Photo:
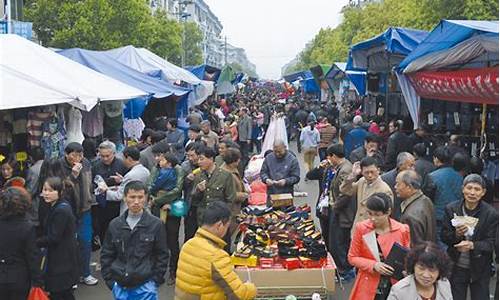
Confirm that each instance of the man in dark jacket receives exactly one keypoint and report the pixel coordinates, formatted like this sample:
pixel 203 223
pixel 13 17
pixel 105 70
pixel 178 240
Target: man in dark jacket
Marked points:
pixel 398 142
pixel 371 147
pixel 134 255
pixel 244 134
pixel 280 170
pixel 188 167
pixel 108 166
pixel 470 246
pixel 417 211
pixel 405 161
pixel 422 165
pixel 342 210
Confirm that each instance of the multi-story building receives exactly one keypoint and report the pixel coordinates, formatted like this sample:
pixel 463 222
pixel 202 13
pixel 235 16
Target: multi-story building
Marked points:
pixel 199 12
pixel 213 45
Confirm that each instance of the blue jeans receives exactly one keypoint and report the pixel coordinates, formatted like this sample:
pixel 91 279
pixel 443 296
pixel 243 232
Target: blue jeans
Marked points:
pixel 85 242
pixel 146 291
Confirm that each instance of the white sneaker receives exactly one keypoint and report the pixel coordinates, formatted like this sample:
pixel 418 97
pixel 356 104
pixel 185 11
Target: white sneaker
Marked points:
pixel 89 280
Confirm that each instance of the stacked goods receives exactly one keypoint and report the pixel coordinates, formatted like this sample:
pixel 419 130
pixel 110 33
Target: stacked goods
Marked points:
pixel 283 237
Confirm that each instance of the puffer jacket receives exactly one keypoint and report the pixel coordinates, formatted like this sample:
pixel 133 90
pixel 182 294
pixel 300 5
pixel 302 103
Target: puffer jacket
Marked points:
pixel 205 272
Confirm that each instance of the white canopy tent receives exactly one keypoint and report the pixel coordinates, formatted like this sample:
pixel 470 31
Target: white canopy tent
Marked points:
pixel 149 63
pixel 32 75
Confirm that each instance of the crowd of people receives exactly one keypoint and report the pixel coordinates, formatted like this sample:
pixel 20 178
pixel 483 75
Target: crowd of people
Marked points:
pixel 377 187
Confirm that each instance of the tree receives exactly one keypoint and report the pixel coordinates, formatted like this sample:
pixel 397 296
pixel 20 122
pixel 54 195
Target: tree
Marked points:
pixel 192 44
pixel 361 23
pixel 104 24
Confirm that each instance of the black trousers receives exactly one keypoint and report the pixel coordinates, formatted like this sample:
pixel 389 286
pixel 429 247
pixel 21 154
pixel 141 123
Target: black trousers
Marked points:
pixel 62 295
pixel 172 227
pixel 7 292
pixel 190 223
pixel 339 240
pixel 460 280
pixel 245 150
pixel 325 227
pixel 105 215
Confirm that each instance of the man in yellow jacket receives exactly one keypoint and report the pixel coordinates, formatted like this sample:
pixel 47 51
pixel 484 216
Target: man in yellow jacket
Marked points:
pixel 205 271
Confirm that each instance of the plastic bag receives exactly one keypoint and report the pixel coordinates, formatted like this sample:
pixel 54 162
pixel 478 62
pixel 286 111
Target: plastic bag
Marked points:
pixel 258 195
pixel 179 208
pixel 37 293
pixel 147 291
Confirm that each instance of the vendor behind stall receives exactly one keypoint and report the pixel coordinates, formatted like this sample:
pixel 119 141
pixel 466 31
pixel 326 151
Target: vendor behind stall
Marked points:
pixel 280 170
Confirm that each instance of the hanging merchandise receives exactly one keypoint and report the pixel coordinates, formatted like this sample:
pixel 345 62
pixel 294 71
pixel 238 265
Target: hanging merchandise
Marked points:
pixel 133 128
pixel 53 137
pixel 5 130
pixel 19 129
pixel 113 121
pixel 74 126
pixel 93 122
pixel 34 127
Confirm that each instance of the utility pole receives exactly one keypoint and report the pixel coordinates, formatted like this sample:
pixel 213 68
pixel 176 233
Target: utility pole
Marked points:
pixel 225 50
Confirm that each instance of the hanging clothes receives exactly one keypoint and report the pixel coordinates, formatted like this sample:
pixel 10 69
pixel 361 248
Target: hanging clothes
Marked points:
pixel 5 128
pixel 113 121
pixel 53 138
pixel 93 122
pixel 74 126
pixel 35 127
pixel 133 128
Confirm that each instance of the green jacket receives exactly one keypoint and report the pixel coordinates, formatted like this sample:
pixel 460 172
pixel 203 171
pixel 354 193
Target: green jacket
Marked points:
pixel 166 197
pixel 219 186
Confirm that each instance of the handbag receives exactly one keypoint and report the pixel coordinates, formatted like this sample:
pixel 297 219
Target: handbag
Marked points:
pixel 37 293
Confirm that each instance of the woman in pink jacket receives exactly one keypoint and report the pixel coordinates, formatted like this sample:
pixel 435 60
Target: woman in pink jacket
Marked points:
pixel 372 241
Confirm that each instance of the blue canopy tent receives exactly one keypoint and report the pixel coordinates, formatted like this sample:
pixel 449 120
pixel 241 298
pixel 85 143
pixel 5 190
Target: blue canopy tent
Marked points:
pixel 205 72
pixel 382 52
pixel 310 86
pixel 338 70
pixel 451 45
pixel 298 76
pixel 103 63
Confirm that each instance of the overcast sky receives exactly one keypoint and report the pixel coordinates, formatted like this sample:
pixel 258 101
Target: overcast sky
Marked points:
pixel 273 31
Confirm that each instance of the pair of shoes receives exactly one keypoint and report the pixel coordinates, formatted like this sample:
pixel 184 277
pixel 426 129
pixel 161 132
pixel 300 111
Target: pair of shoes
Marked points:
pixel 171 280
pixel 89 280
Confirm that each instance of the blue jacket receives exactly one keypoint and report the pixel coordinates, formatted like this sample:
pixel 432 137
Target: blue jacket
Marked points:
pixel 447 185
pixel 166 181
pixel 354 139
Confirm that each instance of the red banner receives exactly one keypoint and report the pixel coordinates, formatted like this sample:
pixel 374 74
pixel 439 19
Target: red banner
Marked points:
pixel 468 85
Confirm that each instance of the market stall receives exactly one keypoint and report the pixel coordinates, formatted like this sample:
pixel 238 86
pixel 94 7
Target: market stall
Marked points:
pixel 281 251
pixel 450 82
pixel 378 56
pixel 48 100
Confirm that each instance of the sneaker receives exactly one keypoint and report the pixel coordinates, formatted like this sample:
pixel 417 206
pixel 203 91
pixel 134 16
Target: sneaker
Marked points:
pixel 74 287
pixel 89 280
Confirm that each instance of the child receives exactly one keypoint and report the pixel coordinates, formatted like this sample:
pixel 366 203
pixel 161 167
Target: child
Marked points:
pixel 167 177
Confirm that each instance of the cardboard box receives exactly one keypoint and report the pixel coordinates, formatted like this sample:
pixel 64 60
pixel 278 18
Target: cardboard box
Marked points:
pixel 279 281
pixel 279 200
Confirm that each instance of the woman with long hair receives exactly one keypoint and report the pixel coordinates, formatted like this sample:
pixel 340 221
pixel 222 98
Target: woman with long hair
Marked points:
pixel 371 243
pixel 59 238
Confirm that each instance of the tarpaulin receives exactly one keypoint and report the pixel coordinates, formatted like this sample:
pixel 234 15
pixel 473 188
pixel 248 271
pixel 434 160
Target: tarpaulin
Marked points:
pixel 467 85
pixel 446 35
pixel 372 54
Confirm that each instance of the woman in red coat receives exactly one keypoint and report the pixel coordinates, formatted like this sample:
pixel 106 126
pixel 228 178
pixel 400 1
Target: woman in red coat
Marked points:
pixel 372 241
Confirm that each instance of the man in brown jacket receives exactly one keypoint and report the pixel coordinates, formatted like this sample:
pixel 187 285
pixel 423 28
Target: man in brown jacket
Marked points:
pixel 366 186
pixel 417 210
